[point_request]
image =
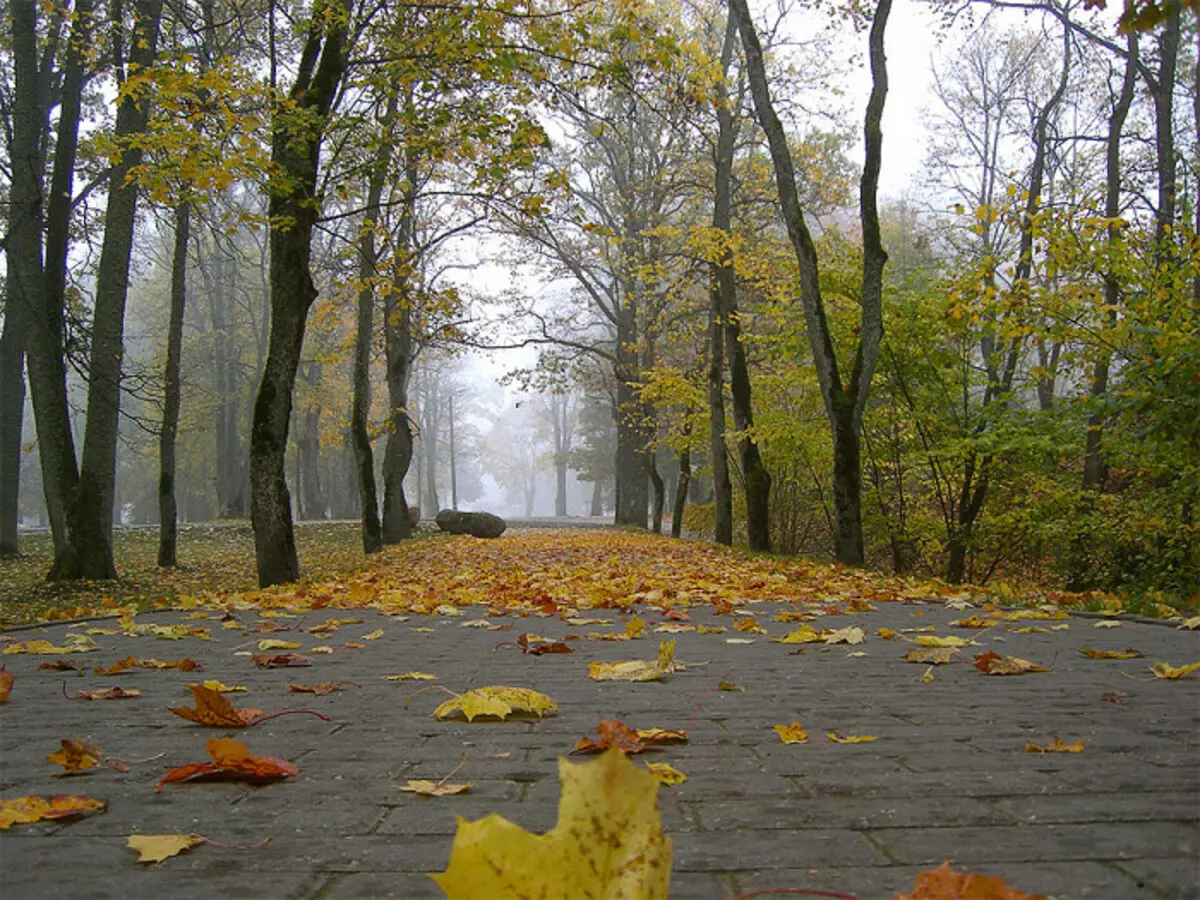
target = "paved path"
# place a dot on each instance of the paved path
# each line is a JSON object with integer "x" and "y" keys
{"x": 949, "y": 777}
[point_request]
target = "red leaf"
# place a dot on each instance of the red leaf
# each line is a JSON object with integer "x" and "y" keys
{"x": 231, "y": 761}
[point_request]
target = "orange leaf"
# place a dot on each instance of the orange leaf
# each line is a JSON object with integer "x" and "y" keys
{"x": 35, "y": 808}
{"x": 76, "y": 756}
{"x": 279, "y": 660}
{"x": 944, "y": 884}
{"x": 213, "y": 709}
{"x": 613, "y": 733}
{"x": 63, "y": 665}
{"x": 231, "y": 761}
{"x": 6, "y": 683}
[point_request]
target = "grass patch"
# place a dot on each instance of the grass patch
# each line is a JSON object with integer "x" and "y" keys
{"x": 214, "y": 558}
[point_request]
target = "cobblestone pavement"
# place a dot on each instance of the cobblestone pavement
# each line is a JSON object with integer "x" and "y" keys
{"x": 947, "y": 779}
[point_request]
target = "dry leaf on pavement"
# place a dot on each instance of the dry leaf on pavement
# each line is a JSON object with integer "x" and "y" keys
{"x": 21, "y": 810}
{"x": 1127, "y": 653}
{"x": 434, "y": 788}
{"x": 154, "y": 848}
{"x": 937, "y": 656}
{"x": 1058, "y": 745}
{"x": 636, "y": 670}
{"x": 496, "y": 702}
{"x": 213, "y": 709}
{"x": 992, "y": 663}
{"x": 112, "y": 693}
{"x": 1162, "y": 670}
{"x": 76, "y": 756}
{"x": 608, "y": 842}
{"x": 666, "y": 773}
{"x": 6, "y": 683}
{"x": 792, "y": 734}
{"x": 411, "y": 676}
{"x": 231, "y": 760}
{"x": 945, "y": 884}
{"x": 851, "y": 738}
{"x": 279, "y": 660}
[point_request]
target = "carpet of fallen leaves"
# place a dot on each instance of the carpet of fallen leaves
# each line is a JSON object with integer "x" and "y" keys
{"x": 525, "y": 569}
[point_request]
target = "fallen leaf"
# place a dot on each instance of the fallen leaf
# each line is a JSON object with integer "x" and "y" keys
{"x": 657, "y": 736}
{"x": 748, "y": 625}
{"x": 710, "y": 629}
{"x": 932, "y": 640}
{"x": 213, "y": 709}
{"x": 6, "y": 683}
{"x": 536, "y": 646}
{"x": 498, "y": 702}
{"x": 724, "y": 685}
{"x": 973, "y": 621}
{"x": 154, "y": 848}
{"x": 612, "y": 733}
{"x": 272, "y": 644}
{"x": 279, "y": 660}
{"x": 1106, "y": 623}
{"x": 353, "y": 645}
{"x": 792, "y": 734}
{"x": 132, "y": 662}
{"x": 805, "y": 634}
{"x": 21, "y": 810}
{"x": 1058, "y": 745}
{"x": 887, "y": 634}
{"x": 1114, "y": 697}
{"x": 608, "y": 842}
{"x": 992, "y": 663}
{"x": 926, "y": 676}
{"x": 1192, "y": 624}
{"x": 222, "y": 688}
{"x": 411, "y": 676}
{"x": 739, "y": 640}
{"x": 673, "y": 628}
{"x": 937, "y": 656}
{"x": 636, "y": 670}
{"x": 666, "y": 773}
{"x": 634, "y": 628}
{"x": 851, "y": 738}
{"x": 231, "y": 760}
{"x": 76, "y": 756}
{"x": 945, "y": 884}
{"x": 377, "y": 633}
{"x": 851, "y": 635}
{"x": 1127, "y": 653}
{"x": 61, "y": 665}
{"x": 73, "y": 643}
{"x": 1162, "y": 670}
{"x": 112, "y": 693}
{"x": 434, "y": 788}
{"x": 321, "y": 688}
{"x": 322, "y": 649}
{"x": 330, "y": 625}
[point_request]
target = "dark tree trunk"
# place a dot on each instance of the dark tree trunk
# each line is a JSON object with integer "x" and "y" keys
{"x": 681, "y": 492}
{"x": 43, "y": 285}
{"x": 292, "y": 207}
{"x": 1162, "y": 90}
{"x": 167, "y": 511}
{"x": 92, "y": 507}
{"x": 633, "y": 496}
{"x": 844, "y": 402}
{"x": 12, "y": 411}
{"x": 756, "y": 478}
{"x": 1093, "y": 461}
{"x": 400, "y": 354}
{"x": 659, "y": 491}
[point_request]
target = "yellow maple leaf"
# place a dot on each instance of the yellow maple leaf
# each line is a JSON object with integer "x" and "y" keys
{"x": 76, "y": 756}
{"x": 20, "y": 810}
{"x": 1058, "y": 745}
{"x": 607, "y": 845}
{"x": 154, "y": 848}
{"x": 377, "y": 633}
{"x": 933, "y": 640}
{"x": 851, "y": 738}
{"x": 634, "y": 628}
{"x": 273, "y": 644}
{"x": 1162, "y": 670}
{"x": 792, "y": 734}
{"x": 666, "y": 773}
{"x": 636, "y": 670}
{"x": 887, "y": 634}
{"x": 805, "y": 634}
{"x": 221, "y": 688}
{"x": 496, "y": 701}
{"x": 434, "y": 788}
{"x": 411, "y": 676}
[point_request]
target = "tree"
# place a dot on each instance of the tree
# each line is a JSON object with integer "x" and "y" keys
{"x": 844, "y": 400}
{"x": 297, "y": 129}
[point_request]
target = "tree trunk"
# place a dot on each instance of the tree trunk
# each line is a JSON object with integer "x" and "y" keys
{"x": 429, "y": 441}
{"x": 681, "y": 492}
{"x": 1093, "y": 461}
{"x": 292, "y": 207}
{"x": 43, "y": 286}
{"x": 167, "y": 511}
{"x": 12, "y": 409}
{"x": 659, "y": 493}
{"x": 400, "y": 354}
{"x": 312, "y": 497}
{"x": 1162, "y": 90}
{"x": 632, "y": 477}
{"x": 597, "y": 507}
{"x": 844, "y": 402}
{"x": 93, "y": 505}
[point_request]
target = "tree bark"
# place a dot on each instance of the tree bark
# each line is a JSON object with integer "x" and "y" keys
{"x": 633, "y": 496}
{"x": 92, "y": 506}
{"x": 43, "y": 284}
{"x": 167, "y": 510}
{"x": 681, "y": 492}
{"x": 659, "y": 495}
{"x": 1093, "y": 460}
{"x": 1162, "y": 91}
{"x": 597, "y": 507}
{"x": 292, "y": 207}
{"x": 844, "y": 402}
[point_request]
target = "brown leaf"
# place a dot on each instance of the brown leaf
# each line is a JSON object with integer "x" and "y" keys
{"x": 279, "y": 660}
{"x": 6, "y": 683}
{"x": 112, "y": 693}
{"x": 322, "y": 688}
{"x": 613, "y": 733}
{"x": 945, "y": 884}
{"x": 992, "y": 663}
{"x": 231, "y": 760}
{"x": 61, "y": 665}
{"x": 76, "y": 756}
{"x": 213, "y": 709}
{"x": 537, "y": 647}
{"x": 1127, "y": 653}
{"x": 931, "y": 655}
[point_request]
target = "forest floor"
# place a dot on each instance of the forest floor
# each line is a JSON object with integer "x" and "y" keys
{"x": 217, "y": 561}
{"x": 844, "y": 731}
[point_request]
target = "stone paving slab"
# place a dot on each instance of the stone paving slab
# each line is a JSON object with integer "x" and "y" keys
{"x": 947, "y": 779}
